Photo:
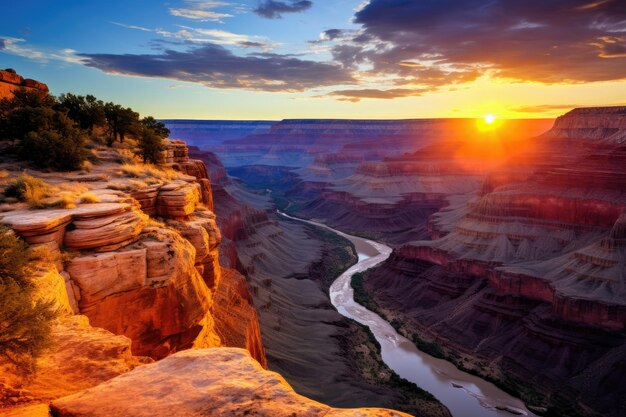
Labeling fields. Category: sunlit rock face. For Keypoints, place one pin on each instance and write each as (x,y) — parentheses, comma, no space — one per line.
(208,382)
(530,272)
(81,357)
(10,81)
(152,281)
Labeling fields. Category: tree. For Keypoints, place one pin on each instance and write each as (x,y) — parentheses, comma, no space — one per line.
(121,121)
(159,127)
(25,321)
(128,123)
(111,112)
(86,111)
(151,146)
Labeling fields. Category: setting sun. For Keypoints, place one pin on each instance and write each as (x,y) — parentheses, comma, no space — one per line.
(490,118)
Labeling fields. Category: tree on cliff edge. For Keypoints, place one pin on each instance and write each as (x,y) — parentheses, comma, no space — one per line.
(25,320)
(151,146)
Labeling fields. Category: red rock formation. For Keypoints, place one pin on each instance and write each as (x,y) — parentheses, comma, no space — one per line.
(10,81)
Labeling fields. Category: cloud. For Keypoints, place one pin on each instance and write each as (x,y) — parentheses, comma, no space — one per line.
(214,66)
(544,108)
(560,108)
(359,94)
(548,41)
(18,47)
(272,9)
(215,36)
(200,11)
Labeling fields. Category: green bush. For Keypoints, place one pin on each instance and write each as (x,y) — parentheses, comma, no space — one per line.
(25,321)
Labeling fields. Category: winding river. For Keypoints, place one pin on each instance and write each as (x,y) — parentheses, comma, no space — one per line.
(465,395)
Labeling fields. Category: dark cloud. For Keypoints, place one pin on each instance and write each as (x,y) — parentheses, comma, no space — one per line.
(547,41)
(272,9)
(2,43)
(332,34)
(215,66)
(252,44)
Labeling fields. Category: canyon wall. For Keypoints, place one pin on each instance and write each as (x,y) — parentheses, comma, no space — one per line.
(524,282)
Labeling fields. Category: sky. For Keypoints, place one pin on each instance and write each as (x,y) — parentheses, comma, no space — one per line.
(271,59)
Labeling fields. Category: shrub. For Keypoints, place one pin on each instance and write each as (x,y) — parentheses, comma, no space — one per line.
(25,322)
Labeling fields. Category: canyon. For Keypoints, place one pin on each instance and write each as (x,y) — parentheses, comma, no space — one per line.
(508,257)
(183,287)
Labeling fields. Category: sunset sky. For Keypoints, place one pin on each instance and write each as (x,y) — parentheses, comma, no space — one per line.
(324,59)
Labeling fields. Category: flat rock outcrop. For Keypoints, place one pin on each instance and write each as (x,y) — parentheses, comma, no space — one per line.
(203,382)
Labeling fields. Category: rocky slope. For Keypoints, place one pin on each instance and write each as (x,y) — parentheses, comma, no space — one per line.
(524,283)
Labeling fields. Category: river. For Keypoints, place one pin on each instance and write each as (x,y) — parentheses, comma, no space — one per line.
(465,395)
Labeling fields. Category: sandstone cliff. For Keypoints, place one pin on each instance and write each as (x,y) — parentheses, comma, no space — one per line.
(136,253)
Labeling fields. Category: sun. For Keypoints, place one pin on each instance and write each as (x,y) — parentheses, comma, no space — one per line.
(489,119)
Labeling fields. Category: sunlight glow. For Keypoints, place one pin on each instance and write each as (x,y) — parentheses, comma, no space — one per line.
(490,118)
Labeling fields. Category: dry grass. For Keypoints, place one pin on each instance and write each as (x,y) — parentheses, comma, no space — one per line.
(28,189)
(145,171)
(86,166)
(89,198)
(41,195)
(129,186)
(4,174)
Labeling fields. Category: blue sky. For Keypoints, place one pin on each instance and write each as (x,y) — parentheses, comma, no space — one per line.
(273,59)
